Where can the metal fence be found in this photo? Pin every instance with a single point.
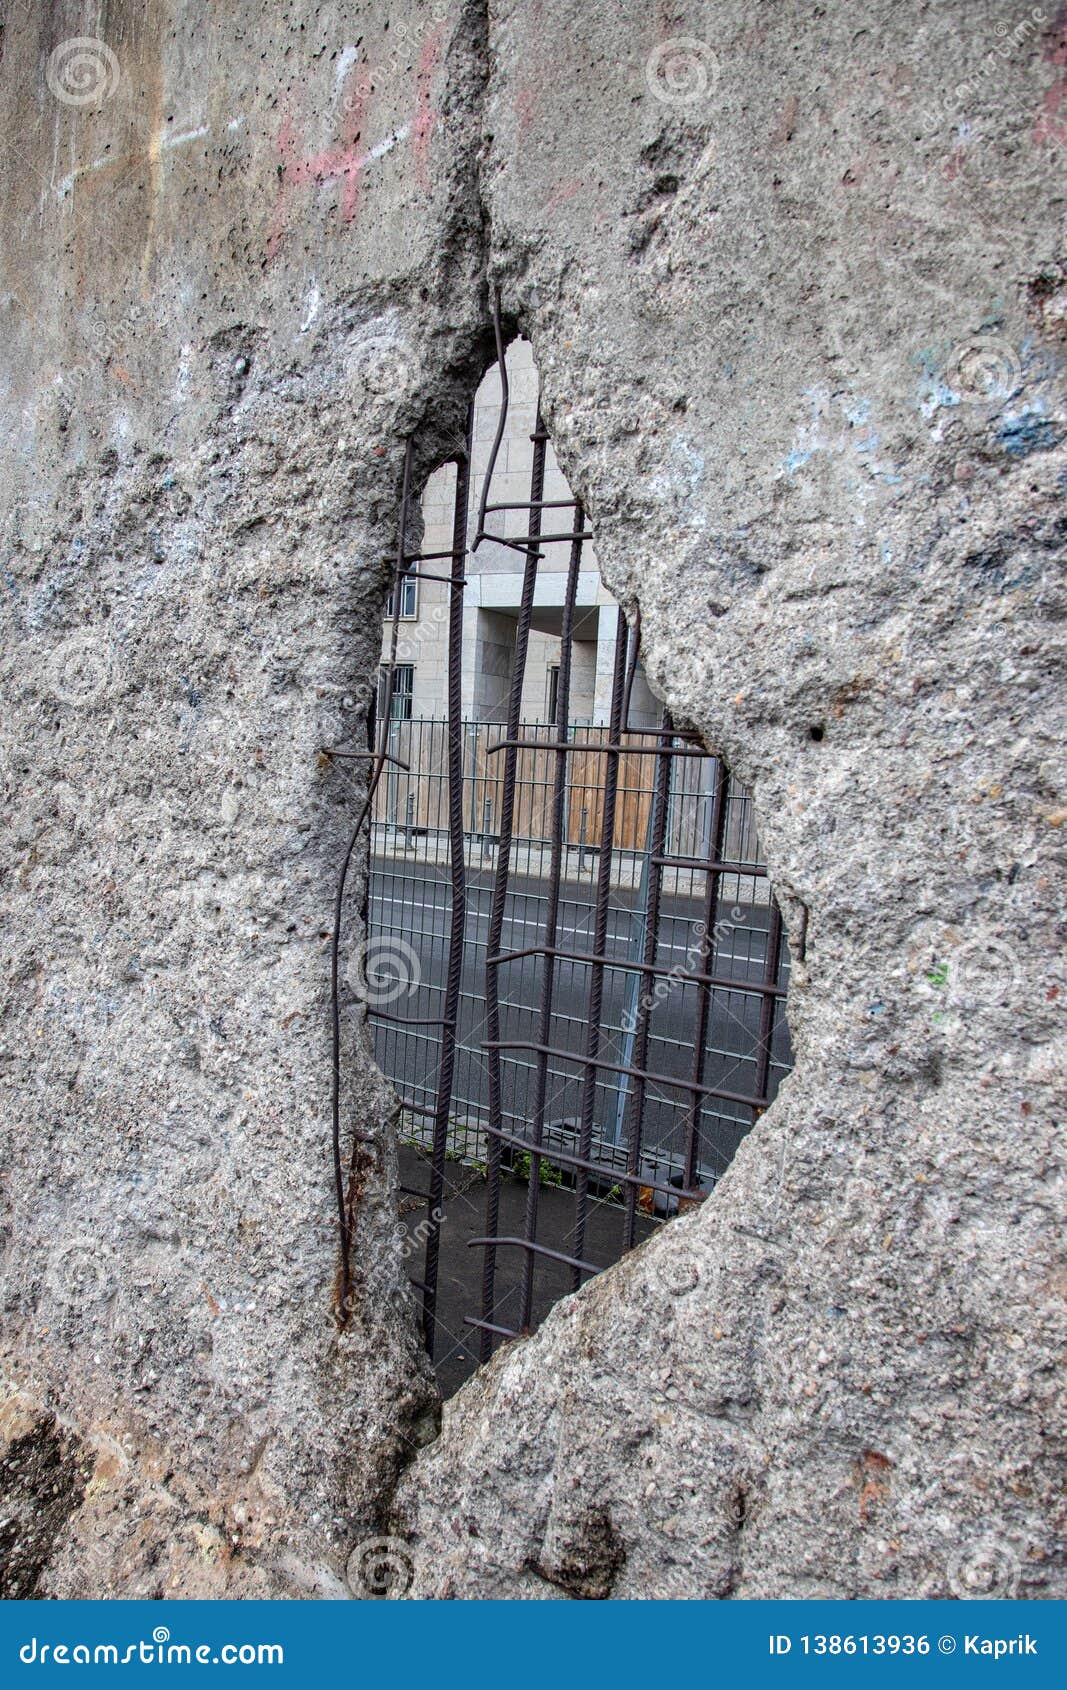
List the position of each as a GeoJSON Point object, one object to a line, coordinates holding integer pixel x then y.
{"type": "Point", "coordinates": [411, 805]}
{"type": "Point", "coordinates": [575, 971]}
{"type": "Point", "coordinates": [410, 907]}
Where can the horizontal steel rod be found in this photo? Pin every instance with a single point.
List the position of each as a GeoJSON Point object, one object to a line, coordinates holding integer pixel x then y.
{"type": "Point", "coordinates": [488, 1326]}
{"type": "Point", "coordinates": [636, 1073]}
{"type": "Point", "coordinates": [591, 745]}
{"type": "Point", "coordinates": [539, 557]}
{"type": "Point", "coordinates": [539, 1249]}
{"type": "Point", "coordinates": [427, 575]}
{"type": "Point", "coordinates": [328, 751]}
{"type": "Point", "coordinates": [704, 867]}
{"type": "Point", "coordinates": [406, 1021]}
{"type": "Point", "coordinates": [625, 964]}
{"type": "Point", "coordinates": [626, 1068]}
{"type": "Point", "coordinates": [422, 557]}
{"type": "Point", "coordinates": [550, 1153]}
{"type": "Point", "coordinates": [535, 505]}
{"type": "Point", "coordinates": [523, 542]}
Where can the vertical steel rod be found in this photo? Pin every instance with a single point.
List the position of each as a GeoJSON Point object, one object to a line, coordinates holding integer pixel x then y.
{"type": "Point", "coordinates": [716, 838]}
{"type": "Point", "coordinates": [500, 890]}
{"type": "Point", "coordinates": [771, 964]}
{"type": "Point", "coordinates": [458, 872]}
{"type": "Point", "coordinates": [647, 981]}
{"type": "Point", "coordinates": [600, 932]}
{"type": "Point", "coordinates": [548, 977]}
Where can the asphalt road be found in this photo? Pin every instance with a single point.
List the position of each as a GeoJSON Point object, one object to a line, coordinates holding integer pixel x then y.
{"type": "Point", "coordinates": [410, 906]}
{"type": "Point", "coordinates": [410, 903]}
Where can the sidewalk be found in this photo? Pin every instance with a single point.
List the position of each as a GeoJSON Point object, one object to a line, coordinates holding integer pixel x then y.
{"type": "Point", "coordinates": [532, 859]}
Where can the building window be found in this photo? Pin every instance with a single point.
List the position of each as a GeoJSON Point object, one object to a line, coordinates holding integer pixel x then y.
{"type": "Point", "coordinates": [553, 692]}
{"type": "Point", "coordinates": [409, 600]}
{"type": "Point", "coordinates": [403, 691]}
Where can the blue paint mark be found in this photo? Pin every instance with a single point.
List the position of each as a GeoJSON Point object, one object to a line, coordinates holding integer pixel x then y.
{"type": "Point", "coordinates": [1019, 436]}
{"type": "Point", "coordinates": [796, 460]}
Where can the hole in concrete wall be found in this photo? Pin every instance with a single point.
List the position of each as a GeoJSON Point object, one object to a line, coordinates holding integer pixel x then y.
{"type": "Point", "coordinates": [580, 1052]}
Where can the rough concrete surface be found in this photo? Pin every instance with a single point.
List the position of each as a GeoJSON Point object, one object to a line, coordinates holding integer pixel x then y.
{"type": "Point", "coordinates": [794, 278]}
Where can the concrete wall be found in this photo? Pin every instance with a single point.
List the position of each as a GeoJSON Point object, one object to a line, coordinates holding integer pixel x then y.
{"type": "Point", "coordinates": [794, 283]}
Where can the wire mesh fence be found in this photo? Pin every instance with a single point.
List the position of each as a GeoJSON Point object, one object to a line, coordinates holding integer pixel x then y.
{"type": "Point", "coordinates": [410, 904]}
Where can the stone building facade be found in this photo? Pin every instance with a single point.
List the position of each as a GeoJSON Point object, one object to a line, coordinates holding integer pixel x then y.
{"type": "Point", "coordinates": [494, 585]}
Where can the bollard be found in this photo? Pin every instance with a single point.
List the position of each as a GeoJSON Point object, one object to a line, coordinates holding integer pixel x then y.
{"type": "Point", "coordinates": [411, 821]}
{"type": "Point", "coordinates": [581, 840]}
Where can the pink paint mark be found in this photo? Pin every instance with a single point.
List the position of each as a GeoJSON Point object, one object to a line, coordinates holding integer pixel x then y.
{"type": "Point", "coordinates": [565, 191]}
{"type": "Point", "coordinates": [426, 116]}
{"type": "Point", "coordinates": [343, 163]}
{"type": "Point", "coordinates": [953, 164]}
{"type": "Point", "coordinates": [1056, 39]}
{"type": "Point", "coordinates": [526, 105]}
{"type": "Point", "coordinates": [1050, 129]}
{"type": "Point", "coordinates": [285, 147]}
